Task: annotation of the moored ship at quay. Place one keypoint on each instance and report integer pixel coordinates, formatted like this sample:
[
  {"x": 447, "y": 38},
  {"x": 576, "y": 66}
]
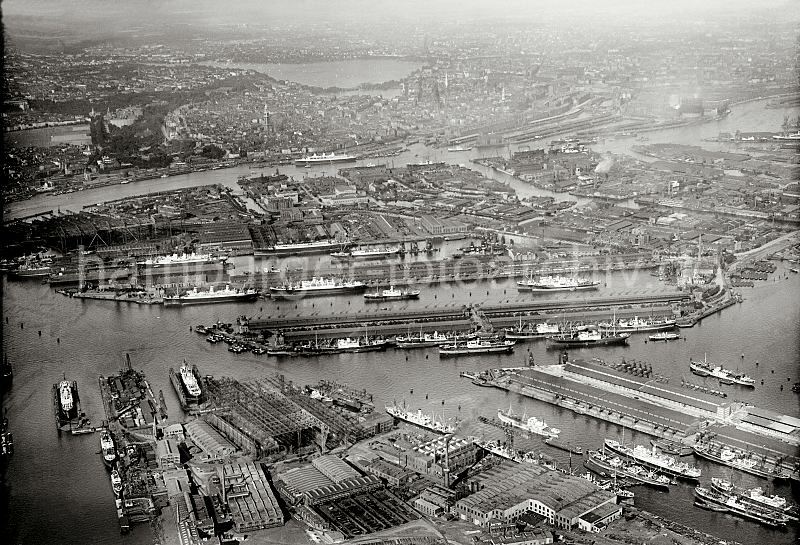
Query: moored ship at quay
[
  {"x": 197, "y": 297},
  {"x": 367, "y": 253},
  {"x": 190, "y": 381},
  {"x": 532, "y": 331},
  {"x": 423, "y": 340},
  {"x": 733, "y": 504},
  {"x": 607, "y": 465},
  {"x": 556, "y": 283},
  {"x": 420, "y": 419},
  {"x": 530, "y": 424},
  {"x": 593, "y": 337},
  {"x": 725, "y": 376},
  {"x": 477, "y": 346},
  {"x": 655, "y": 460},
  {"x": 756, "y": 497},
  {"x": 339, "y": 346},
  {"x": 743, "y": 461},
  {"x": 324, "y": 159},
  {"x": 298, "y": 247},
  {"x": 316, "y": 287},
  {"x": 392, "y": 295},
  {"x": 177, "y": 260},
  {"x": 107, "y": 448},
  {"x": 637, "y": 325}
]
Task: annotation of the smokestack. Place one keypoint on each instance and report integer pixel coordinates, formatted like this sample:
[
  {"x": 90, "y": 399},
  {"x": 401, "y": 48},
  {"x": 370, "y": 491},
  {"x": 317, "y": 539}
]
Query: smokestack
[{"x": 447, "y": 460}]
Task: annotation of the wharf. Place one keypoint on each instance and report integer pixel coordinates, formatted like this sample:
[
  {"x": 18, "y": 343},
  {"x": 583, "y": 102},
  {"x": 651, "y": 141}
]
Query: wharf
[{"x": 444, "y": 318}]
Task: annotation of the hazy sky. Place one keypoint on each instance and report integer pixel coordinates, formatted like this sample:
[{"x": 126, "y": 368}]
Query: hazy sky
[{"x": 133, "y": 12}]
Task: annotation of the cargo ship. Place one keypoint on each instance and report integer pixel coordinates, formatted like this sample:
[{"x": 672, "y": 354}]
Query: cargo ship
[
  {"x": 177, "y": 260},
  {"x": 725, "y": 376},
  {"x": 426, "y": 340},
  {"x": 107, "y": 448},
  {"x": 189, "y": 381},
  {"x": 195, "y": 297},
  {"x": 324, "y": 159},
  {"x": 676, "y": 448},
  {"x": 638, "y": 325},
  {"x": 613, "y": 466},
  {"x": 756, "y": 497},
  {"x": 653, "y": 459},
  {"x": 532, "y": 331},
  {"x": 504, "y": 451},
  {"x": 749, "y": 462},
  {"x": 593, "y": 337},
  {"x": 391, "y": 295},
  {"x": 317, "y": 286},
  {"x": 367, "y": 253},
  {"x": 556, "y": 283},
  {"x": 31, "y": 270},
  {"x": 420, "y": 419},
  {"x": 530, "y": 425},
  {"x": 733, "y": 505},
  {"x": 477, "y": 346},
  {"x": 664, "y": 336}
]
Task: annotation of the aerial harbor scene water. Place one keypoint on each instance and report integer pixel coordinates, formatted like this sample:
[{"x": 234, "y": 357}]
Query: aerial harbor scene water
[{"x": 441, "y": 273}]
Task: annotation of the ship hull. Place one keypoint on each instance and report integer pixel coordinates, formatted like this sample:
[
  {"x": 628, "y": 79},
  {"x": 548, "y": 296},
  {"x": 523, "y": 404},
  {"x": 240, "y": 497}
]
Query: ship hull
[
  {"x": 650, "y": 465},
  {"x": 324, "y": 161},
  {"x": 580, "y": 343},
  {"x": 420, "y": 344},
  {"x": 185, "y": 301},
  {"x": 449, "y": 352},
  {"x": 764, "y": 474},
  {"x": 374, "y": 298},
  {"x": 721, "y": 500},
  {"x": 286, "y": 293},
  {"x": 540, "y": 288}
]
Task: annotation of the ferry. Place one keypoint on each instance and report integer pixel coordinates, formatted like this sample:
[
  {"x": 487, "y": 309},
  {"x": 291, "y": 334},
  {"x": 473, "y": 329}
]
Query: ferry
[
  {"x": 65, "y": 396},
  {"x": 656, "y": 460},
  {"x": 755, "y": 496},
  {"x": 196, "y": 297},
  {"x": 426, "y": 340},
  {"x": 420, "y": 419},
  {"x": 116, "y": 482},
  {"x": 637, "y": 325},
  {"x": 367, "y": 253},
  {"x": 531, "y": 425},
  {"x": 107, "y": 448},
  {"x": 594, "y": 337},
  {"x": 324, "y": 158},
  {"x": 734, "y": 505},
  {"x": 177, "y": 259},
  {"x": 747, "y": 462},
  {"x": 391, "y": 295},
  {"x": 725, "y": 376},
  {"x": 317, "y": 286},
  {"x": 664, "y": 336},
  {"x": 190, "y": 381},
  {"x": 477, "y": 346},
  {"x": 556, "y": 283}
]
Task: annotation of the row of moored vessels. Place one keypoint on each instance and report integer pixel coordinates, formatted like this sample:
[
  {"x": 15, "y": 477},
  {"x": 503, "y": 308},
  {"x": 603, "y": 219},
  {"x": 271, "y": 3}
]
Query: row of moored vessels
[{"x": 753, "y": 504}]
